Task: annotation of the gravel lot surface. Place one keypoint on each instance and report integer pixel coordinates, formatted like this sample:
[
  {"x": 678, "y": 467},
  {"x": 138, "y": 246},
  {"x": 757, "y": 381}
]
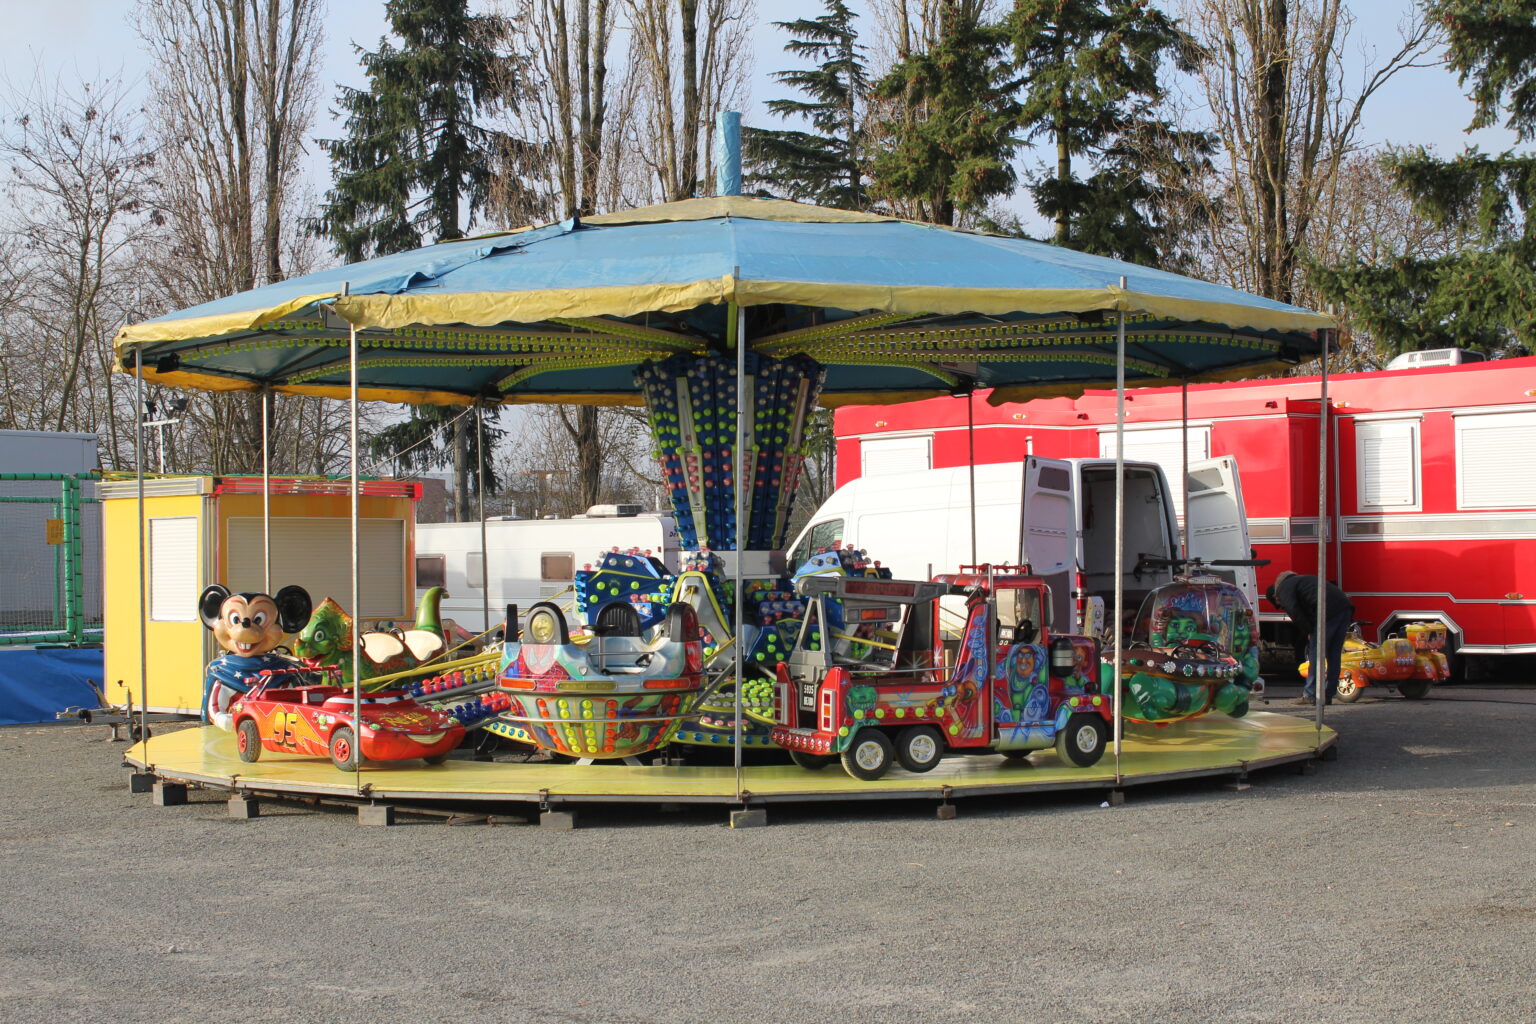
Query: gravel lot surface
[{"x": 1395, "y": 884}]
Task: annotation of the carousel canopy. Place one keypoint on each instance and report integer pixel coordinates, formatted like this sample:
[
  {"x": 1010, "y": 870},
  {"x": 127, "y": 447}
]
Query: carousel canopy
[{"x": 565, "y": 313}]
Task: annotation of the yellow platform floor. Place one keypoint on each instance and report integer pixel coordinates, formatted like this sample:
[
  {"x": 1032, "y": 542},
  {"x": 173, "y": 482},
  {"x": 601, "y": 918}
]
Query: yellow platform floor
[{"x": 1210, "y": 746}]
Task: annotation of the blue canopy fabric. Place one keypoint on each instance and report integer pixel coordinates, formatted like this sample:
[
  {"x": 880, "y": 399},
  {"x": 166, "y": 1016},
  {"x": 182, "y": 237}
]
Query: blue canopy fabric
[{"x": 565, "y": 312}]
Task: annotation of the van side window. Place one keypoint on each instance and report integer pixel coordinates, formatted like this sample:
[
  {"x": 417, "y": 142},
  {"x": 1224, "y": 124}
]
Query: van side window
[
  {"x": 431, "y": 571},
  {"x": 557, "y": 565}
]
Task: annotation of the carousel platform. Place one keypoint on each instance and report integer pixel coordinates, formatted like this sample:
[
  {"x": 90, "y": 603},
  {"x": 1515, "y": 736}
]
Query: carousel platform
[{"x": 1211, "y": 746}]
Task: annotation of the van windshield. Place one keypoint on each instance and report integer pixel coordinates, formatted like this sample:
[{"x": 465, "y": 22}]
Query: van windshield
[{"x": 825, "y": 534}]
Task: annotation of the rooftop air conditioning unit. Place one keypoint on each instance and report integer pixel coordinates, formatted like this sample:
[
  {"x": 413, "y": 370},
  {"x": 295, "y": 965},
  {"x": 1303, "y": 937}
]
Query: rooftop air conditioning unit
[
  {"x": 1434, "y": 357},
  {"x": 612, "y": 511}
]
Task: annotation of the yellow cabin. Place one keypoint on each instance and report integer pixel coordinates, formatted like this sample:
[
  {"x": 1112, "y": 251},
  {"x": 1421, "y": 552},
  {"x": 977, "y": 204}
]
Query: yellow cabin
[{"x": 203, "y": 529}]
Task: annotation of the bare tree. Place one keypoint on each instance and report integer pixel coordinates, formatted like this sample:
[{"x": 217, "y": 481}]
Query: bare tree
[
  {"x": 687, "y": 61},
  {"x": 568, "y": 100},
  {"x": 1288, "y": 119},
  {"x": 233, "y": 90},
  {"x": 79, "y": 172}
]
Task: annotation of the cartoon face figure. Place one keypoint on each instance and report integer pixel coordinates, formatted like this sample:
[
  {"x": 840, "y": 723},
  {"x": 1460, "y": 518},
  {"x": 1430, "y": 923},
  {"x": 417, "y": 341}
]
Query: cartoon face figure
[
  {"x": 249, "y": 625},
  {"x": 1181, "y": 628}
]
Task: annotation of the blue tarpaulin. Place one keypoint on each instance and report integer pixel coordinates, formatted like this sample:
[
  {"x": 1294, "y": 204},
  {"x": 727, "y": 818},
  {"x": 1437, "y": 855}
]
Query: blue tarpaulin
[{"x": 36, "y": 683}]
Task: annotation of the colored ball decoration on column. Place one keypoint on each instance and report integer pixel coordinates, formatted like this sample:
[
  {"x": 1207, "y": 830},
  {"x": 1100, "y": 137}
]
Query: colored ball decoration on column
[{"x": 692, "y": 409}]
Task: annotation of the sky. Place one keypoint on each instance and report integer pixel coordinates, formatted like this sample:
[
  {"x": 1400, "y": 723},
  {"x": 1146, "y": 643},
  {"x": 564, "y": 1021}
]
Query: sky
[{"x": 87, "y": 38}]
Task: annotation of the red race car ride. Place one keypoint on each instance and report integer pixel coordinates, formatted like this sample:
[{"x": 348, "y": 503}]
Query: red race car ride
[{"x": 313, "y": 719}]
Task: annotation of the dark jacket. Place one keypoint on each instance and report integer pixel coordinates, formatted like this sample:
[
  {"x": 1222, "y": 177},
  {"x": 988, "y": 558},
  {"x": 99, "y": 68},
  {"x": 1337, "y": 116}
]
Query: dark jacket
[{"x": 1297, "y": 597}]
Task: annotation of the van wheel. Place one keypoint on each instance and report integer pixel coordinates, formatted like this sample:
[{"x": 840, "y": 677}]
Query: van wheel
[
  {"x": 811, "y": 762},
  {"x": 1082, "y": 741},
  {"x": 919, "y": 748},
  {"x": 869, "y": 756}
]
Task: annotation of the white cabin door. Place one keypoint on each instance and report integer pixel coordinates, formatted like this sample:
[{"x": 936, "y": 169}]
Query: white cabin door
[
  {"x": 1048, "y": 532},
  {"x": 1217, "y": 523}
]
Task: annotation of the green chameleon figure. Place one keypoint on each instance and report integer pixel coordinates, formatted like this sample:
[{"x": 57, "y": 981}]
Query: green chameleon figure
[{"x": 327, "y": 640}]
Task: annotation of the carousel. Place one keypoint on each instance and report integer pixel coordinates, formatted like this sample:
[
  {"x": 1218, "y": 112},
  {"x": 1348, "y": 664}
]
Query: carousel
[{"x": 729, "y": 319}]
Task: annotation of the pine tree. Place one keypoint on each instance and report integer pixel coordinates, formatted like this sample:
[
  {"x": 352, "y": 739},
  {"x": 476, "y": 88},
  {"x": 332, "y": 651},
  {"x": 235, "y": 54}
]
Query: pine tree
[
  {"x": 1089, "y": 71},
  {"x": 821, "y": 166},
  {"x": 950, "y": 145},
  {"x": 416, "y": 165},
  {"x": 1484, "y": 297}
]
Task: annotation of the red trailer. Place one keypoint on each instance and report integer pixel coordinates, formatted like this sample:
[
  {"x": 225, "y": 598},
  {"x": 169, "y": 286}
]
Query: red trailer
[{"x": 1432, "y": 478}]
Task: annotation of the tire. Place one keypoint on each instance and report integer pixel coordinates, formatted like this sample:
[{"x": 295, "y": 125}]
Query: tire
[
  {"x": 810, "y": 762},
  {"x": 1348, "y": 691},
  {"x": 437, "y": 759},
  {"x": 1239, "y": 711},
  {"x": 919, "y": 748},
  {"x": 869, "y": 756},
  {"x": 1414, "y": 689},
  {"x": 1082, "y": 741},
  {"x": 343, "y": 747},
  {"x": 248, "y": 740}
]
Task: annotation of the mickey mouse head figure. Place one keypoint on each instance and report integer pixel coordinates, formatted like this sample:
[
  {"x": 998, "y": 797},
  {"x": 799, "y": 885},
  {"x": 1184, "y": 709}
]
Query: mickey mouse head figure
[{"x": 248, "y": 627}]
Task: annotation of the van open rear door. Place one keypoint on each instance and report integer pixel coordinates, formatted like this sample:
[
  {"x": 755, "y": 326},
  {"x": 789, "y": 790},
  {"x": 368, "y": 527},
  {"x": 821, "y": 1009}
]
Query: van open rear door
[
  {"x": 1048, "y": 532},
  {"x": 1218, "y": 528}
]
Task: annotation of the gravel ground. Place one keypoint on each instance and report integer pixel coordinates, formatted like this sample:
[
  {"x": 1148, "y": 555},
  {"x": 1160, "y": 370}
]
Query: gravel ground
[{"x": 1395, "y": 884}]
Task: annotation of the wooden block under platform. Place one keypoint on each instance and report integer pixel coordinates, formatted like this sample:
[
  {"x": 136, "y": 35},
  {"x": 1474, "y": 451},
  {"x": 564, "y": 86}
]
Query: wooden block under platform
[
  {"x": 377, "y": 815},
  {"x": 948, "y": 812},
  {"x": 168, "y": 794},
  {"x": 141, "y": 782},
  {"x": 749, "y": 817},
  {"x": 243, "y": 808},
  {"x": 557, "y": 819}
]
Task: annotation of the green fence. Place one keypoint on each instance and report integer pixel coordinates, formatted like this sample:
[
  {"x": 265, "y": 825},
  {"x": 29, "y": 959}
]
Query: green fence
[{"x": 50, "y": 536}]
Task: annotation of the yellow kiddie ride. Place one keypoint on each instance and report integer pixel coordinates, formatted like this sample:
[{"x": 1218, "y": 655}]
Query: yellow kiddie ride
[{"x": 1410, "y": 664}]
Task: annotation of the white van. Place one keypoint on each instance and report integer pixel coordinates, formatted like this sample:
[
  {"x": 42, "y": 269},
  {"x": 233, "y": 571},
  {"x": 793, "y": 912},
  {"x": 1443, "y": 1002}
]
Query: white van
[
  {"x": 918, "y": 524},
  {"x": 530, "y": 559}
]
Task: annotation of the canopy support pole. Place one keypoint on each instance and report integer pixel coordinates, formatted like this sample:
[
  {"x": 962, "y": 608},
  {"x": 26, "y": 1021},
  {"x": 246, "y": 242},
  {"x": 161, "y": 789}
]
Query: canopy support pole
[
  {"x": 737, "y": 326},
  {"x": 485, "y": 555},
  {"x": 970, "y": 438},
  {"x": 357, "y": 610},
  {"x": 1118, "y": 623},
  {"x": 266, "y": 487},
  {"x": 1184, "y": 475},
  {"x": 138, "y": 462},
  {"x": 1320, "y": 665}
]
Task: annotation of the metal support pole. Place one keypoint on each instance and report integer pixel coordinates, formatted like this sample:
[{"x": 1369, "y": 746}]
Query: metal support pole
[
  {"x": 970, "y": 437},
  {"x": 1184, "y": 474},
  {"x": 739, "y": 325},
  {"x": 357, "y": 554},
  {"x": 1119, "y": 621},
  {"x": 485, "y": 554},
  {"x": 138, "y": 462},
  {"x": 1320, "y": 666},
  {"x": 266, "y": 488}
]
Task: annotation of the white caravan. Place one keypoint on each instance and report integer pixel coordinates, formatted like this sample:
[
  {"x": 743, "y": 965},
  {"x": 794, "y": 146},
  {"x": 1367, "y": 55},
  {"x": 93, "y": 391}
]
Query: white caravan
[
  {"x": 917, "y": 524},
  {"x": 530, "y": 559}
]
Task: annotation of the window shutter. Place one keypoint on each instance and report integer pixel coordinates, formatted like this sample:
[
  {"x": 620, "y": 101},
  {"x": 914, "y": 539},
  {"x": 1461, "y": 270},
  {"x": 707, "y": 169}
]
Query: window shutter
[
  {"x": 1387, "y": 474},
  {"x": 173, "y": 570},
  {"x": 316, "y": 554},
  {"x": 887, "y": 456},
  {"x": 1495, "y": 456}
]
